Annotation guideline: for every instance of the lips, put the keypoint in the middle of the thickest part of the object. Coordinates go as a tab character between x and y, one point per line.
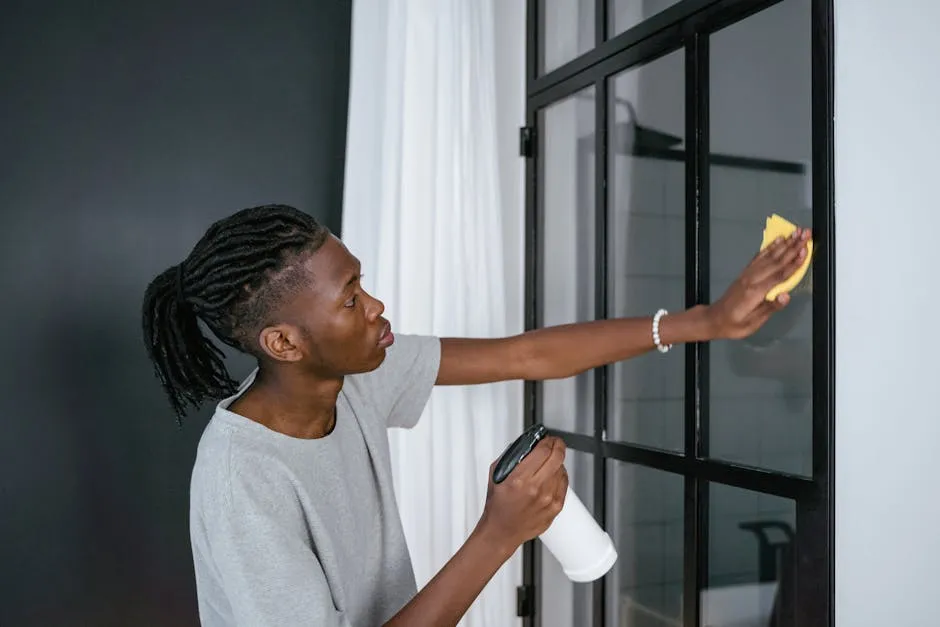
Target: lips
386	337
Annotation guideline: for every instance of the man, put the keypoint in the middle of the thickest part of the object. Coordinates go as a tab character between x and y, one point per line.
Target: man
293	517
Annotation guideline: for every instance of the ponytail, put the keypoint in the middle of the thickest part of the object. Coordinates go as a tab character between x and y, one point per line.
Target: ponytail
189	366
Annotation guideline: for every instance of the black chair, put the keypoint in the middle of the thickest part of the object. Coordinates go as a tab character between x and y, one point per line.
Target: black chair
775	563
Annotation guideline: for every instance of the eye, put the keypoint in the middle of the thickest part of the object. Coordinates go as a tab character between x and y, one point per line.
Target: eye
349	304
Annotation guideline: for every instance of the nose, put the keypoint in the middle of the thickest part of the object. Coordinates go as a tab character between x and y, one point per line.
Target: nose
375	307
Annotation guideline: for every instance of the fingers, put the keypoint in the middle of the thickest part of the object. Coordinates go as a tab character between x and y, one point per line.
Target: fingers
769	307
786	269
797	236
553	461
782	258
774	246
493	466
534	459
763	312
783	245
561	489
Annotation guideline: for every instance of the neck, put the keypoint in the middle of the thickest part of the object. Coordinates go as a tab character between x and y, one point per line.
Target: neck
292	403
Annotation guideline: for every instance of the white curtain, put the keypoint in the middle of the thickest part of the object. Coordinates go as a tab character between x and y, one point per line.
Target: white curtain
422	212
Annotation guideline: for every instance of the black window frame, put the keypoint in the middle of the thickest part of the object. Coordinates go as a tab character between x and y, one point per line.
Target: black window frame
687	25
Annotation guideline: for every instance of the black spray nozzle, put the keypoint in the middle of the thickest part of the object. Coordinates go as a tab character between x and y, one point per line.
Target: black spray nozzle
517	451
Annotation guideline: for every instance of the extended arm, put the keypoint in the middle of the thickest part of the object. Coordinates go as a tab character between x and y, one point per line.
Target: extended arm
567	350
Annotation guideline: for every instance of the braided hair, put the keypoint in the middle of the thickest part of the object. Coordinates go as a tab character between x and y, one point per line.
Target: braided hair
235	276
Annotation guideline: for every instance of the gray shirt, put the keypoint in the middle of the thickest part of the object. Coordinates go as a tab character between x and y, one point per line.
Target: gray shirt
288	532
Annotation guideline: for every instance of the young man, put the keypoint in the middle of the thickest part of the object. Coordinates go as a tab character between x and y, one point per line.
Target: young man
293	518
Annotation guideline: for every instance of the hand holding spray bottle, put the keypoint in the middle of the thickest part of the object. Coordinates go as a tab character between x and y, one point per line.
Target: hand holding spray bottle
584	550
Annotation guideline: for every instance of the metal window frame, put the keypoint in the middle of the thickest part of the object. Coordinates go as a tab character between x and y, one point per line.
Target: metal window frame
687	25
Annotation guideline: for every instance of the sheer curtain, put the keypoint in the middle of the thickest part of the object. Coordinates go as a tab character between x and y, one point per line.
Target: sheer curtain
422	211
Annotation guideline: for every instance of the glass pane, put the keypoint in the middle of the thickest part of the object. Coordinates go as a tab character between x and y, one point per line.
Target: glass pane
625	14
761	140
566	31
646	243
751	563
563	603
567	262
645	519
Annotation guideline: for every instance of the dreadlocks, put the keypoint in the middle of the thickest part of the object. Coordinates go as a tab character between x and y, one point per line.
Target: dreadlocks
233	278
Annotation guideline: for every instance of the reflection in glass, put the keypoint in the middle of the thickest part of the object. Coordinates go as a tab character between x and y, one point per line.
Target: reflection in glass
567	263
761	388
751	560
625	14
646	243
563	603
645	520
566	31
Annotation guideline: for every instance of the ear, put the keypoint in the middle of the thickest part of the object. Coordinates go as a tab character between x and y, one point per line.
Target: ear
281	343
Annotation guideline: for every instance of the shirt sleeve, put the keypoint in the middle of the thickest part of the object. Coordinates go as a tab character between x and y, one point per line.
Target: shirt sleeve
270	573
402	385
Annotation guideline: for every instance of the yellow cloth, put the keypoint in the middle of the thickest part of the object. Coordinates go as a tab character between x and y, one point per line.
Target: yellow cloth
779	227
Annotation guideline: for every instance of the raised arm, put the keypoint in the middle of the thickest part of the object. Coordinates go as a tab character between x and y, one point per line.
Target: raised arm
567	350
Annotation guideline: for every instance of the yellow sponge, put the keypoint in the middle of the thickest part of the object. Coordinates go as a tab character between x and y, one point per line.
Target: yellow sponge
779	227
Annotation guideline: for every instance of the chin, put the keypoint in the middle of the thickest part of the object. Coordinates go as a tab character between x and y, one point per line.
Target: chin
374	361
380	359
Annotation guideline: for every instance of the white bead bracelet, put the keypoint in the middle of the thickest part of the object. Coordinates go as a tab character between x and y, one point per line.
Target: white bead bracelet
656	339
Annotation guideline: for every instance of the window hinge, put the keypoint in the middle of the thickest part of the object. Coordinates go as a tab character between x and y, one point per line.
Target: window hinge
527	142
525	601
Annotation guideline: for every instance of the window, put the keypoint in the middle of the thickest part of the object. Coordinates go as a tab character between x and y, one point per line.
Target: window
567	30
665	133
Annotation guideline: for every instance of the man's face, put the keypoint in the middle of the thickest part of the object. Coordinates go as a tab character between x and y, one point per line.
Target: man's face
340	327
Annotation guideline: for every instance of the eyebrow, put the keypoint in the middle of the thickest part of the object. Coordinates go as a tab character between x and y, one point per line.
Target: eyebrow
352	280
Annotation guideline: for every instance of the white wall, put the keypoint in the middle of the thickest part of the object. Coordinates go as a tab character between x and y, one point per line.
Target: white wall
887	417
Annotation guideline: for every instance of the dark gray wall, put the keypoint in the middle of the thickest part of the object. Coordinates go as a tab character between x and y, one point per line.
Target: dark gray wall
125	129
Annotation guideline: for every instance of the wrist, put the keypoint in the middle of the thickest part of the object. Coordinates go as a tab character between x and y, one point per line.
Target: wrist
494	541
693	325
710	326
